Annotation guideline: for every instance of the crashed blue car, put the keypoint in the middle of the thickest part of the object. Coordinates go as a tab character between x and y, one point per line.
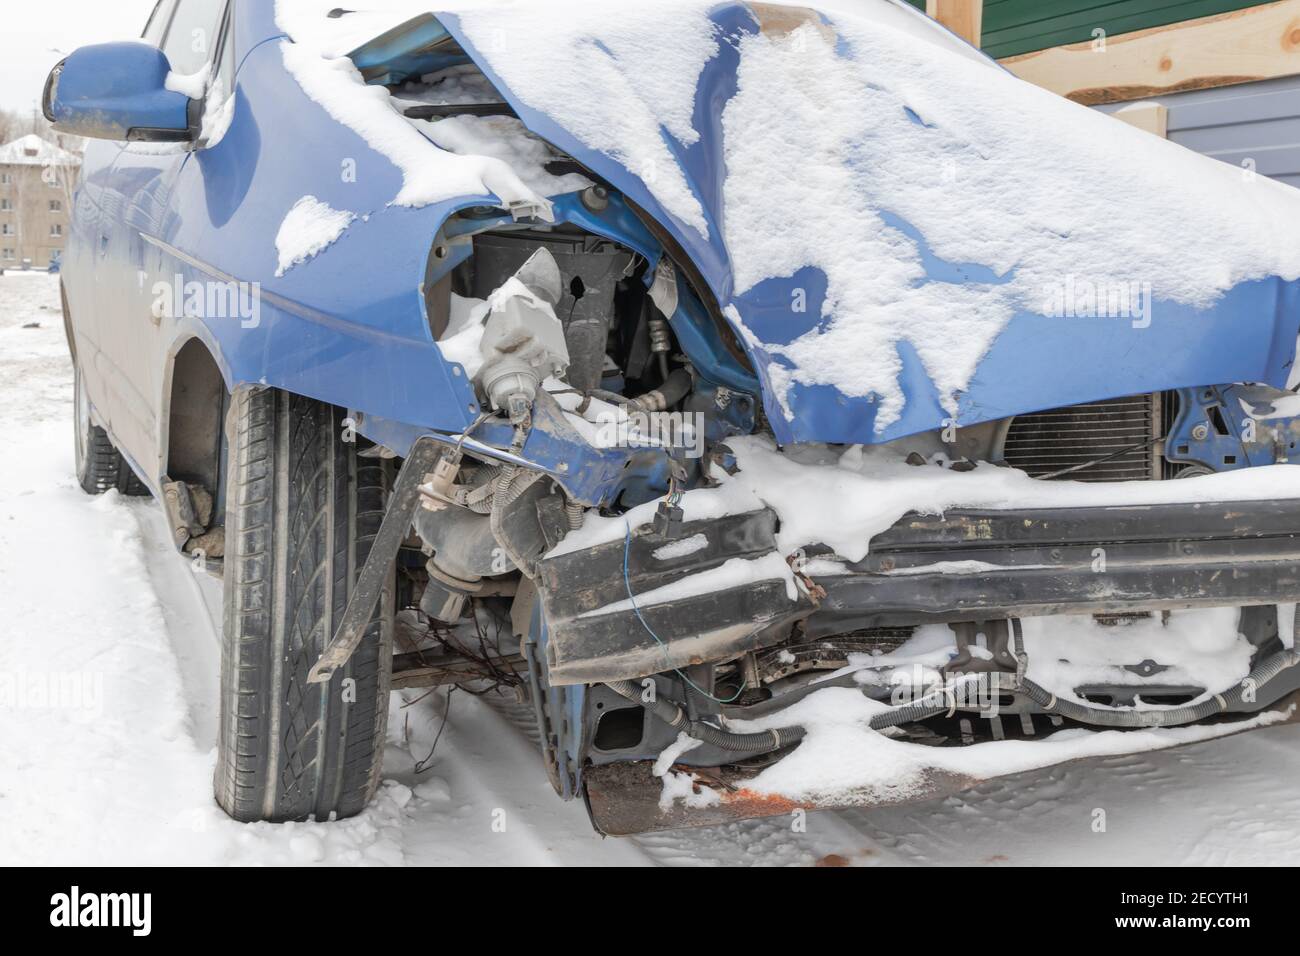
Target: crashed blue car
689	367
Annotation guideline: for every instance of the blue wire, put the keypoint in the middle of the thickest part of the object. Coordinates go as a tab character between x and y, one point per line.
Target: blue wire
627	583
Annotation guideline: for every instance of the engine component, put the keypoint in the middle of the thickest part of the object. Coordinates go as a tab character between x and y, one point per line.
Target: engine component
461	541
590	270
523	341
664	295
445	595
660	340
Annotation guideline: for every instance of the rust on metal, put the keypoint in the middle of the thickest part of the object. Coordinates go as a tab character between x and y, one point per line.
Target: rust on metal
623	798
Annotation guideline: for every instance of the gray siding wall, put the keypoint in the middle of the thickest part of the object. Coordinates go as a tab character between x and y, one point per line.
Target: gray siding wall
1253	121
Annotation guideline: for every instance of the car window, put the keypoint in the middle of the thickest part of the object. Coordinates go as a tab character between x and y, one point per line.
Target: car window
192	36
157	25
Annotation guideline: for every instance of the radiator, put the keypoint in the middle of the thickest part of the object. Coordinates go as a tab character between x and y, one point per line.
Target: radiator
1044	443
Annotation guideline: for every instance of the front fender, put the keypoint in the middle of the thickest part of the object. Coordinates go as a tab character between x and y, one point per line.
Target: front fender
348	326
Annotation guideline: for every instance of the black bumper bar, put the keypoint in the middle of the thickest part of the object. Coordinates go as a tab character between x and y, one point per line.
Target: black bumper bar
965	565
983	565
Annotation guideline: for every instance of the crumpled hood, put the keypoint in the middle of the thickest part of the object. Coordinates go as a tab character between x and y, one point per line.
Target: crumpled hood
903	234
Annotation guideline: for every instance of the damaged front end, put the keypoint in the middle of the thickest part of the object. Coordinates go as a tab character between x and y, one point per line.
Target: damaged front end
930	625
671	550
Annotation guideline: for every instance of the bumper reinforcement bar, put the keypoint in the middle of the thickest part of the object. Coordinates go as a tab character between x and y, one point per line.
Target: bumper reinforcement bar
961	566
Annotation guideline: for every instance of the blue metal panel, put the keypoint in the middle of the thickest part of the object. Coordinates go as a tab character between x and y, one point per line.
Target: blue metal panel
1035	363
1226	428
350	327
347	327
254	23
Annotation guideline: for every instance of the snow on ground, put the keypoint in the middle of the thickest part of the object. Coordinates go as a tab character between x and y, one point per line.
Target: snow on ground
108	664
843	761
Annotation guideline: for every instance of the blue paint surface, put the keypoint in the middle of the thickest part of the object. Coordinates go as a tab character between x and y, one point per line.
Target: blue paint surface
111	90
350	326
1037	362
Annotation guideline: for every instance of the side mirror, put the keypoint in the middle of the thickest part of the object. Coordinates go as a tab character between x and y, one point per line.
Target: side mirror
119	91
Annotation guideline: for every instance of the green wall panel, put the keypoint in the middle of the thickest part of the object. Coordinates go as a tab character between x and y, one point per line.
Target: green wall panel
1021	26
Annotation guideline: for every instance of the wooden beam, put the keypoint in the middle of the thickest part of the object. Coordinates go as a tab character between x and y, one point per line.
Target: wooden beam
1151	117
963	17
1256	43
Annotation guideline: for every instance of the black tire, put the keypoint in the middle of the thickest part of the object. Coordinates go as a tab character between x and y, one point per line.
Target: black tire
302	512
100	466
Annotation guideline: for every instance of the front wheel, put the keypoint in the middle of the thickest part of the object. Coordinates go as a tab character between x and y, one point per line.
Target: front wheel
301	515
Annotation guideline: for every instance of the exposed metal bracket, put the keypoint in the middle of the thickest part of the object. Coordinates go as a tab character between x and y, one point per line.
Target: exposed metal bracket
383	553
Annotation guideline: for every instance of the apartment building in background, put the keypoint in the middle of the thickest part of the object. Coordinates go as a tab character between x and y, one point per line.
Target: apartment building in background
37	182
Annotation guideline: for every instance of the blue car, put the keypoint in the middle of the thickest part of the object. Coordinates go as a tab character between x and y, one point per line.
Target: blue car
677	369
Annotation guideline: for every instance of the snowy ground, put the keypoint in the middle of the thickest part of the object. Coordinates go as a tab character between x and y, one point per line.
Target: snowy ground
108	665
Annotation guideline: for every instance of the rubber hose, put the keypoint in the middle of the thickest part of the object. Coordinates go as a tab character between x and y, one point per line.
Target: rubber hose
481	499
462	540
672	391
612	398
921	710
676	718
500	501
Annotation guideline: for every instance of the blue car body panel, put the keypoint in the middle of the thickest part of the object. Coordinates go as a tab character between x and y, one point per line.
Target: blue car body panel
1249	334
350	326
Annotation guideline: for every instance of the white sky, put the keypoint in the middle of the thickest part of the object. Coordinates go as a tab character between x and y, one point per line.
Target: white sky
32	31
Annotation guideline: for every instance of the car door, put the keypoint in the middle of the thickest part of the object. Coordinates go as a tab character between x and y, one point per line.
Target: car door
137	221
85	268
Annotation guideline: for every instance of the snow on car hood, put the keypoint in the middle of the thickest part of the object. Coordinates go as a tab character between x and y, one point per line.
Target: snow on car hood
902	233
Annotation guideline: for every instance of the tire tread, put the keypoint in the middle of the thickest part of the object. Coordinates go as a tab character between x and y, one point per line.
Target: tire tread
289	750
